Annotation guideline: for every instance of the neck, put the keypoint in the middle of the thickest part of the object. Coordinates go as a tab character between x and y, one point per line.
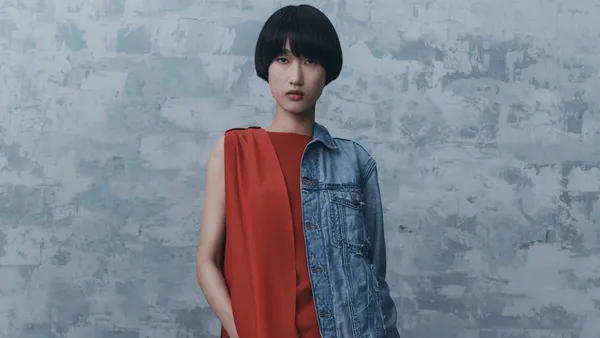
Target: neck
287	122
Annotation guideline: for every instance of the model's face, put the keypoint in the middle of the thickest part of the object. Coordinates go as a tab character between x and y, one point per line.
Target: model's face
296	82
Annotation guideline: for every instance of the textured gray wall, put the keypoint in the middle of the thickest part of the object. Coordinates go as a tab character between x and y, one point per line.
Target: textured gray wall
483	115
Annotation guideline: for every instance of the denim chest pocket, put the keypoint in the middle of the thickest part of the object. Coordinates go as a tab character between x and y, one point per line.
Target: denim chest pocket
346	210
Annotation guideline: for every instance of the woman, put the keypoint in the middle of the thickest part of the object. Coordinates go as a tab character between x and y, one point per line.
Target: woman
292	241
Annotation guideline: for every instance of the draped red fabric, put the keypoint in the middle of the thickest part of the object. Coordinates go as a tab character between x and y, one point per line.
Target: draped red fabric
265	262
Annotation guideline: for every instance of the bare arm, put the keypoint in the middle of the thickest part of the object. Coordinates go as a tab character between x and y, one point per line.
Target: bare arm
209	258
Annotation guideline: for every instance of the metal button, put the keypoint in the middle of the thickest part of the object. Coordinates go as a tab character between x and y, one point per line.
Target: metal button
324	314
316	270
311	226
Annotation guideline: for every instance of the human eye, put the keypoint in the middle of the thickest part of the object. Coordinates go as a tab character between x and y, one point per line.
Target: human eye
311	61
282	60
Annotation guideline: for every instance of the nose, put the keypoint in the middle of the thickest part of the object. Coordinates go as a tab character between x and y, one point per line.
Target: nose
296	76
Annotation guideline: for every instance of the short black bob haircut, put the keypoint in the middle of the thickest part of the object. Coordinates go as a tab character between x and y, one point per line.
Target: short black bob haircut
310	34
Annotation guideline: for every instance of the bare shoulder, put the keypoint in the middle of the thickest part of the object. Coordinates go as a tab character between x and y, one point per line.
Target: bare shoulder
214	163
218	148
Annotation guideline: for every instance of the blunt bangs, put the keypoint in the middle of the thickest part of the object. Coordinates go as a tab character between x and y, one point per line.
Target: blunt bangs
310	34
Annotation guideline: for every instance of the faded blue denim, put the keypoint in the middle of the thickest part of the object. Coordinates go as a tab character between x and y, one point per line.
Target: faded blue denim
343	226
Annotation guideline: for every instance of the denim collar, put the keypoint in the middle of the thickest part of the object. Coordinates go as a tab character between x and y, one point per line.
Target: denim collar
321	134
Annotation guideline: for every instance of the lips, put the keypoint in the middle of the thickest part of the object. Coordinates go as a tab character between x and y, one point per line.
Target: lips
295	95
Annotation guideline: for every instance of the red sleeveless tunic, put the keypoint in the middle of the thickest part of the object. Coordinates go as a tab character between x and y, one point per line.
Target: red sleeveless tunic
265	263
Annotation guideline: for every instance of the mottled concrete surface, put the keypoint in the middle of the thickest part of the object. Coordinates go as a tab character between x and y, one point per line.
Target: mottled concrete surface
483	115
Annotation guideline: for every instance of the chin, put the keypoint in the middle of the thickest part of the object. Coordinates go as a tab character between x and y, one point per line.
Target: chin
296	109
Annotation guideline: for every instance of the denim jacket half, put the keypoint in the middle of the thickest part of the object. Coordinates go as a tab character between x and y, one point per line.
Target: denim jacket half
345	242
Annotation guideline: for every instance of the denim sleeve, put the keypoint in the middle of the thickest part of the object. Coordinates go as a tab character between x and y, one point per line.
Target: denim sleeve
375	228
